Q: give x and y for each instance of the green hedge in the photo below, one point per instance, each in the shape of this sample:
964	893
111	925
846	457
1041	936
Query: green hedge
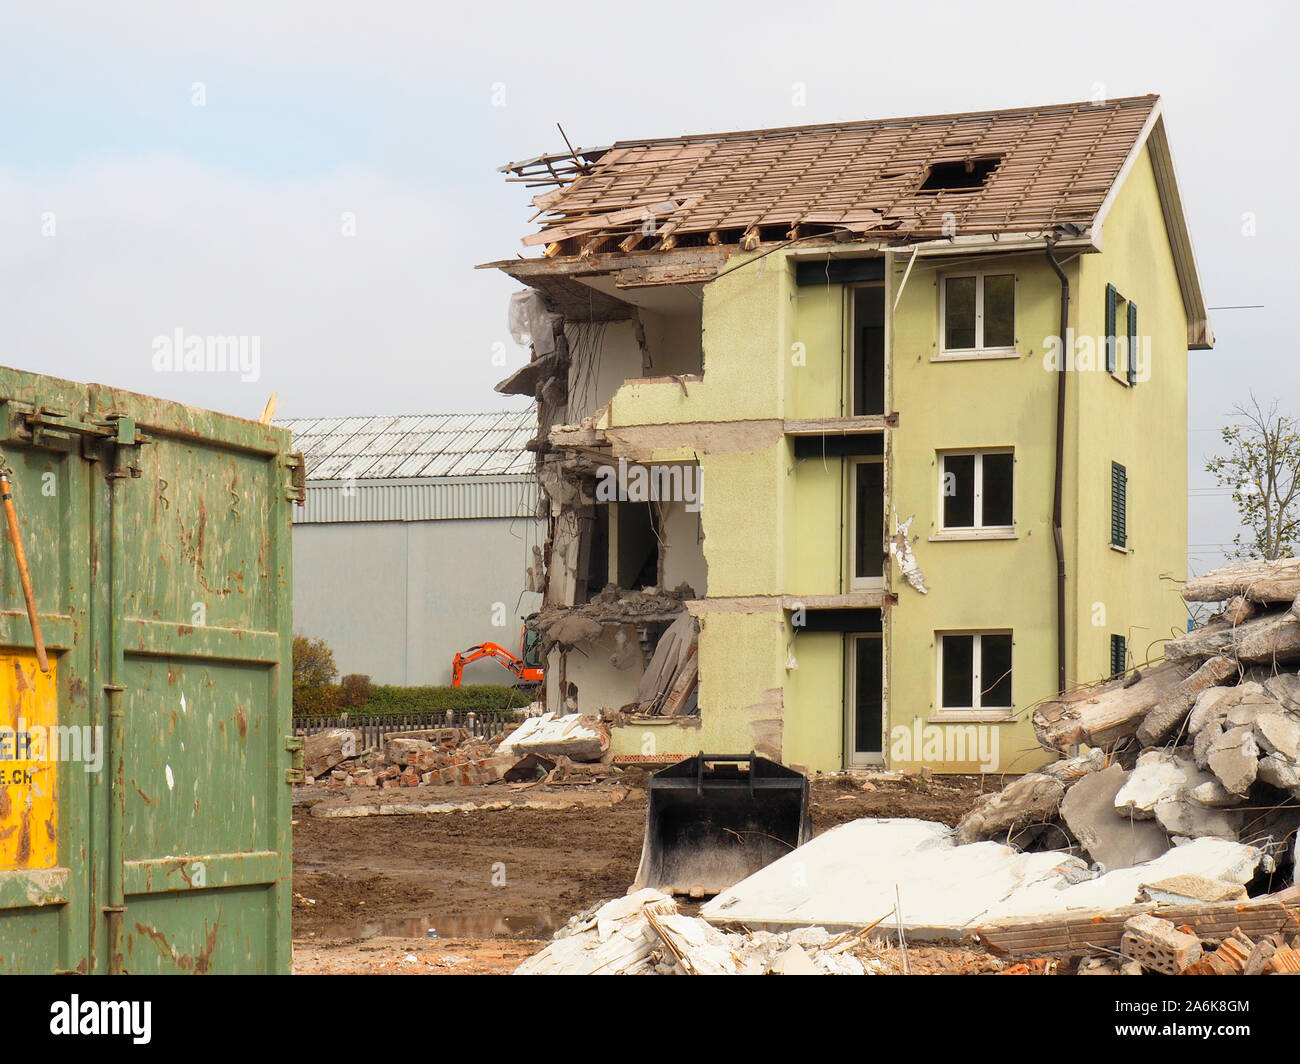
481	698
487	700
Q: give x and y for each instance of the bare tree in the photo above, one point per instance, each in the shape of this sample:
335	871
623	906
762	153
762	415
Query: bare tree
1262	468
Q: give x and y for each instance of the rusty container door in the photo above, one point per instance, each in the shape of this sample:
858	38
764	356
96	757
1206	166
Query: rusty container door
157	824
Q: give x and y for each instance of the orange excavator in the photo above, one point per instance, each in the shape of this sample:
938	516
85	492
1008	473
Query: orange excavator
526	665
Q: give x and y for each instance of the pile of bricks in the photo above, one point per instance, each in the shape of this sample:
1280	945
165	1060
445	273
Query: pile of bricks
438	757
1156	945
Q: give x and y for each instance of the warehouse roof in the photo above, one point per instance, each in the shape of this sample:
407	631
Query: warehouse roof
414	446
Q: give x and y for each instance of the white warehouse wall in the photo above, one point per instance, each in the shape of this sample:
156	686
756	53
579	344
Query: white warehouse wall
396	600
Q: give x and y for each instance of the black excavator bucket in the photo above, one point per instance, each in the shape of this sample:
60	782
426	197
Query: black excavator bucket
714	819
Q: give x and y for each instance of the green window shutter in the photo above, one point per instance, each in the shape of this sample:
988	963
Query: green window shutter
1118	505
1132	342
1112	308
1118	654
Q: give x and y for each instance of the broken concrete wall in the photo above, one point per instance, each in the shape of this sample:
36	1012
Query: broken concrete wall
683	549
653	344
603	357
592	668
674	341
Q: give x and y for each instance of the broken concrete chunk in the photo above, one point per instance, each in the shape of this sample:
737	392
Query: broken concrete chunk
1160	787
901	551
1273	637
1208	707
578	737
795	961
1234	758
1159	946
1111	839
1276	772
1247	701
1213	793
572	629
1172	709
322	751
1188	819
1034	798
856	873
1238	609
853	875
616	939
1278	733
1189	889
1070	770
1206	738
1286	689
1107	712
1257	581
1160	776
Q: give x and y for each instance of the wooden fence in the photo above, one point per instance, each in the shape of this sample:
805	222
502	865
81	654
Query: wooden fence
375	729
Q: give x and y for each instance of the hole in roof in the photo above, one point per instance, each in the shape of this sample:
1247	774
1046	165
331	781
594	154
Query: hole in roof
964	175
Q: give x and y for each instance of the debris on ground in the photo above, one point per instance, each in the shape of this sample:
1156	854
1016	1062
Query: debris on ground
669	684
544	747
577	737
854	874
645	934
1205	744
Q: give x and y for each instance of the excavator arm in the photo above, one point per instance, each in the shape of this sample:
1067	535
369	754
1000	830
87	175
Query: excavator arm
498	653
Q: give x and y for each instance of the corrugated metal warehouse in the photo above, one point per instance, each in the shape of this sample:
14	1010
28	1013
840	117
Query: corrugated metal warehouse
414	541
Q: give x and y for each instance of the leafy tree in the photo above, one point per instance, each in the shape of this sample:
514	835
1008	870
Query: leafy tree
313	663
1262	468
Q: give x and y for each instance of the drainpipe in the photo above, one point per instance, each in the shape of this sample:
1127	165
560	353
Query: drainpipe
1058	484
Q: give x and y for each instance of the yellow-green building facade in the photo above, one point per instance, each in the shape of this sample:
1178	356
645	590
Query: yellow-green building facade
874	534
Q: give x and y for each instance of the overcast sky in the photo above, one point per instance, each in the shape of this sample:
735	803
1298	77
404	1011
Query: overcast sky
322	176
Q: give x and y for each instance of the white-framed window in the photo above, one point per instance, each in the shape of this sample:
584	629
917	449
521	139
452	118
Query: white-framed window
977	491
977	314
866	548
975	674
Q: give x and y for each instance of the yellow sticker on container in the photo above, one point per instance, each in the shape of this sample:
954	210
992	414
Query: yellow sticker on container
31	745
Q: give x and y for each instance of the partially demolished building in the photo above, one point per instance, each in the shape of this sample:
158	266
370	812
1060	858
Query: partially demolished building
856	441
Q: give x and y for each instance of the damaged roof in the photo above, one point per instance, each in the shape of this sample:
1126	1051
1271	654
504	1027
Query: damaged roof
975	176
415	445
993	171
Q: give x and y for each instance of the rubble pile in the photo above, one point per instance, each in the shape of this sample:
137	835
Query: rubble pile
1205	744
546	747
1153	944
938	888
669	685
645	934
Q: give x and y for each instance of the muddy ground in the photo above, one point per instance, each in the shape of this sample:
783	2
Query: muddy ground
493	884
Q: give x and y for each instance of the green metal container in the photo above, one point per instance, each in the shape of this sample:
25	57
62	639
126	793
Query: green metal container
145	780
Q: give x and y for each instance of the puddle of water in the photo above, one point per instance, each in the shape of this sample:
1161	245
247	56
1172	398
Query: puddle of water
534	926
